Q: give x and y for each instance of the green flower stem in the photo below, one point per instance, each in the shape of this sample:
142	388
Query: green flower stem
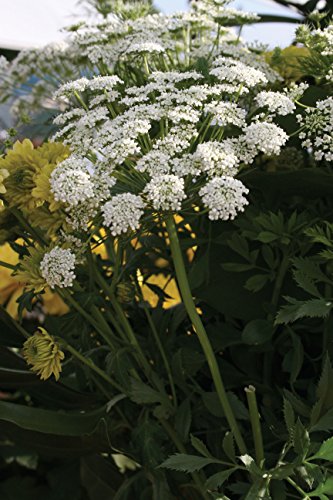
299	489
88	362
255	423
38	236
162	352
66	295
7	266
80	100
181	448
124	321
200	331
131	335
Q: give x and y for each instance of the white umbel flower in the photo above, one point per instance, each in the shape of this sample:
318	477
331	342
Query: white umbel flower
232	71
265	137
166	192
123	212
71	182
276	102
57	267
226	113
318	129
217	158
224	197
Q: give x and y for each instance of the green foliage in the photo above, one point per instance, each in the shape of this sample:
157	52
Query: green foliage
144	393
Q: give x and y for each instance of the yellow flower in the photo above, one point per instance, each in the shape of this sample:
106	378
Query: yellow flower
3	175
49	221
53	153
43	354
29	273
27	185
288	62
11	289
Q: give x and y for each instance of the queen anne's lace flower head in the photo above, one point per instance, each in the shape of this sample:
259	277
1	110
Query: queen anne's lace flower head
276	102
224	197
265	137
318	129
123	212
71	182
233	71
166	192
226	113
217	158
57	267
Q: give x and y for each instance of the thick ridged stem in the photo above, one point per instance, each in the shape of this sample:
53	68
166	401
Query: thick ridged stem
199	328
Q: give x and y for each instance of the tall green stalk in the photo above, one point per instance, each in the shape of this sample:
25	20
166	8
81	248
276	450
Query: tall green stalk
255	423
199	328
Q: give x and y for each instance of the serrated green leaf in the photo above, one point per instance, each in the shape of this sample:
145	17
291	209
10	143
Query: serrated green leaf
315	413
187	463
324	389
183	419
325	452
314	308
200	447
257	332
289	417
228	446
322	235
307	273
218	479
325	423
297	358
297	404
325	487
301	440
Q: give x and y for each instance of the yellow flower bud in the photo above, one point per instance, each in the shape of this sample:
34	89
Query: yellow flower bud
42	352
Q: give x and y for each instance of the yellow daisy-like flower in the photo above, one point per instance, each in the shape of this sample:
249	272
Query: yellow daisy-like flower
27	185
42	352
29	273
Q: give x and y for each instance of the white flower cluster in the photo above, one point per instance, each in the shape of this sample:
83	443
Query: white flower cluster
317	129
276	102
166	134
123	212
97	83
230	70
57	267
224	197
166	192
265	137
217	158
226	113
71	182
